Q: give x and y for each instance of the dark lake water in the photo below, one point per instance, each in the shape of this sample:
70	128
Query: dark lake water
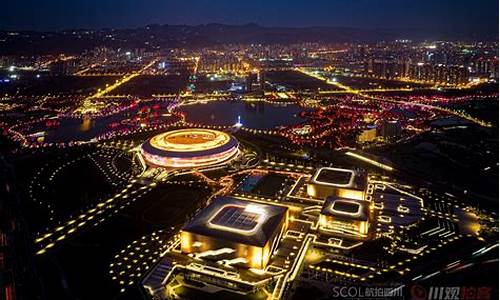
257	115
76	129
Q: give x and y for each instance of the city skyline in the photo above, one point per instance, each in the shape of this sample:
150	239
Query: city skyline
282	150
466	16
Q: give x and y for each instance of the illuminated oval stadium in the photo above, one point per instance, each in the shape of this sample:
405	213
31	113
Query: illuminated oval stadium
188	148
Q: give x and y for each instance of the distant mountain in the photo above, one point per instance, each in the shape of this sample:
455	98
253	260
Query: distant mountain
170	36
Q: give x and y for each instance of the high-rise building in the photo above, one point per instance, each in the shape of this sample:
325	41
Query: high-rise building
390	129
443	74
62	67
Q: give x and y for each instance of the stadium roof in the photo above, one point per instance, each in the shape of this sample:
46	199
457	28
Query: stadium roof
244	222
190	142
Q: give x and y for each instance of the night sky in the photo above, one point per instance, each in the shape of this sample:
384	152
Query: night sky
457	15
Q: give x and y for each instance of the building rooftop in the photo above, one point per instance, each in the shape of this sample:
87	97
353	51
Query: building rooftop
230	219
342	178
346	209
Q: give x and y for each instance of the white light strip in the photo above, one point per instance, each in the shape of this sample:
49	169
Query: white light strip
370	161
